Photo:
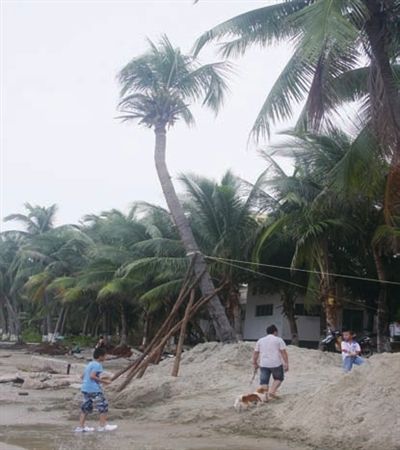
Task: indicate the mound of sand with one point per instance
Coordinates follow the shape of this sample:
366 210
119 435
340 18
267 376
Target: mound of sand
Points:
320 405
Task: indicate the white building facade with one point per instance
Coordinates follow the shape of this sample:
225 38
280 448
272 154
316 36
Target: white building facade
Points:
263 309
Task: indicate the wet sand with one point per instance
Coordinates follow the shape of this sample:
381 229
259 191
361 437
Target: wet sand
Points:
41 420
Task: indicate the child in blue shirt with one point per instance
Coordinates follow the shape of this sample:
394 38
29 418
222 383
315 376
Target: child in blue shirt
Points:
93 393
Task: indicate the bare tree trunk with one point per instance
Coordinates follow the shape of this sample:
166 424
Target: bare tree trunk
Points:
221 323
124 327
3 324
182 335
14 322
385 99
58 324
85 324
235 311
288 304
146 327
48 315
62 328
329 300
383 342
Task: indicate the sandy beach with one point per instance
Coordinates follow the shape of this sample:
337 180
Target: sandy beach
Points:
319 408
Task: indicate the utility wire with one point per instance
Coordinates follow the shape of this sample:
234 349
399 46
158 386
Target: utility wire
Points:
223 261
333 274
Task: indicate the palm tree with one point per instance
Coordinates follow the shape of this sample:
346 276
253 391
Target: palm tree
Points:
309 213
157 89
58 253
349 174
10 281
136 267
38 219
331 40
223 217
36 222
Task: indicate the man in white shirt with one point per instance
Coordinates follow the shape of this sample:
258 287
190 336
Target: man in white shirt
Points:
351 351
270 355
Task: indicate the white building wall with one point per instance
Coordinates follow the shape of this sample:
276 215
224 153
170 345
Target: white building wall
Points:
254 327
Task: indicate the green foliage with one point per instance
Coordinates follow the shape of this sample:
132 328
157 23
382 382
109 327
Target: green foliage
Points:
158 87
80 341
31 335
327 68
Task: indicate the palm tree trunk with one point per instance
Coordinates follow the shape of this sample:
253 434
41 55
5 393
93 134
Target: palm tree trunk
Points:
85 324
288 304
234 310
386 101
14 322
124 327
48 315
58 324
383 343
217 313
62 328
146 328
3 323
329 300
377 32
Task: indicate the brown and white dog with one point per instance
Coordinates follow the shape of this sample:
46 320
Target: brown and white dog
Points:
254 399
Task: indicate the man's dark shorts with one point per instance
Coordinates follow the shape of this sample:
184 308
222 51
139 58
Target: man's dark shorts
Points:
277 374
94 398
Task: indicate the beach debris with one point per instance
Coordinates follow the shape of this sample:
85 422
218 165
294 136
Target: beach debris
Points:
53 349
11 378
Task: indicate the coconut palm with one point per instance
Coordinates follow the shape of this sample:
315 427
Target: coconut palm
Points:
223 217
10 281
350 175
310 214
38 219
329 38
331 41
60 252
136 266
157 90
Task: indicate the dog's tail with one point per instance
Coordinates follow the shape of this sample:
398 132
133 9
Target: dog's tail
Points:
238 404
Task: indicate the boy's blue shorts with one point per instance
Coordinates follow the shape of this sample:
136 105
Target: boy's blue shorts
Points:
94 398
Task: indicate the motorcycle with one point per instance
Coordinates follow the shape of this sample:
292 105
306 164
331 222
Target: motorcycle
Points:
366 346
333 340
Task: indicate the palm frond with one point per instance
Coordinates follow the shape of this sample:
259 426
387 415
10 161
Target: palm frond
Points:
261 26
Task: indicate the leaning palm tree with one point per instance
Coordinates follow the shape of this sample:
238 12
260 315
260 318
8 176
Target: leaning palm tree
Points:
157 89
223 217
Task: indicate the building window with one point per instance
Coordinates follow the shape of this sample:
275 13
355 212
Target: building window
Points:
264 310
312 311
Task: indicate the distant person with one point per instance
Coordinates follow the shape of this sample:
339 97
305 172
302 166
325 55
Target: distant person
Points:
270 355
351 351
93 393
101 343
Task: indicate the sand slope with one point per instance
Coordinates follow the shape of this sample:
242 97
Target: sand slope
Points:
320 405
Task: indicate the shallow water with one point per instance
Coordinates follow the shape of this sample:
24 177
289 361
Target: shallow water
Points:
55 437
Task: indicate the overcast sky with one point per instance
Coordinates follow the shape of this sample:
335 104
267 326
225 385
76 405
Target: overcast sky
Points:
61 142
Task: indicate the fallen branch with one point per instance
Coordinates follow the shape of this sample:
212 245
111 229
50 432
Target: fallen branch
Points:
142 366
